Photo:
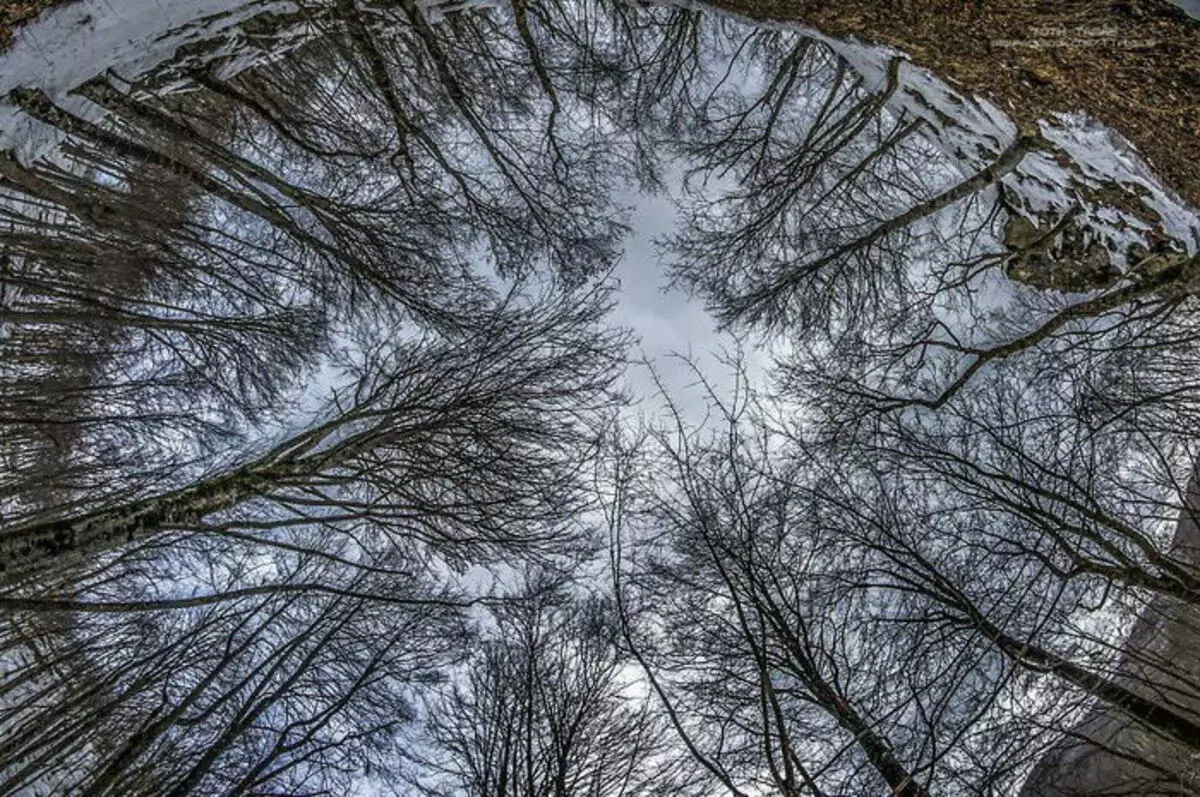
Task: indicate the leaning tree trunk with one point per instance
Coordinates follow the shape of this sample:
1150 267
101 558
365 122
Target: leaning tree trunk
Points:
1105 753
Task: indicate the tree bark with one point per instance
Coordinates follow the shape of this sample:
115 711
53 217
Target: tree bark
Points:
1105 754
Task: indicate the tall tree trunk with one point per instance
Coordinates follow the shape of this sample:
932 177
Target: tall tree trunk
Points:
1106 753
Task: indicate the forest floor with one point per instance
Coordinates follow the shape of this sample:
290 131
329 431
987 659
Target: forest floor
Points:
14 13
1132 64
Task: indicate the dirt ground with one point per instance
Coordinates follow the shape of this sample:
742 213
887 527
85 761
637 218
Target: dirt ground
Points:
1133 64
13 13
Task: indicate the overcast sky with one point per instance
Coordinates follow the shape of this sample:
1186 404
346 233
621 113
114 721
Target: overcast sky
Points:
669 322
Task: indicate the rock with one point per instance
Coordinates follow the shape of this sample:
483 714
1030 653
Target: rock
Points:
1020 232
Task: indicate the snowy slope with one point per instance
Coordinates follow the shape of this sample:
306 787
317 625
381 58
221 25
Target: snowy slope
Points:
1080 153
77 41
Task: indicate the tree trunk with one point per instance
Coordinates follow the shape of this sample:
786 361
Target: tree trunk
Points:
1105 753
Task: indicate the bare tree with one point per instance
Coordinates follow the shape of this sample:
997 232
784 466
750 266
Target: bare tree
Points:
191 253
549 705
278 692
992 410
953 547
777 675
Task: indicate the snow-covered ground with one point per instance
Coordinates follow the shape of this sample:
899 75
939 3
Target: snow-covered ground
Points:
128 38
76 41
973 131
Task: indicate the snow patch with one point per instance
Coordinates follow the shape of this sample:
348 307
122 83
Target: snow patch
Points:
973 132
73 43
